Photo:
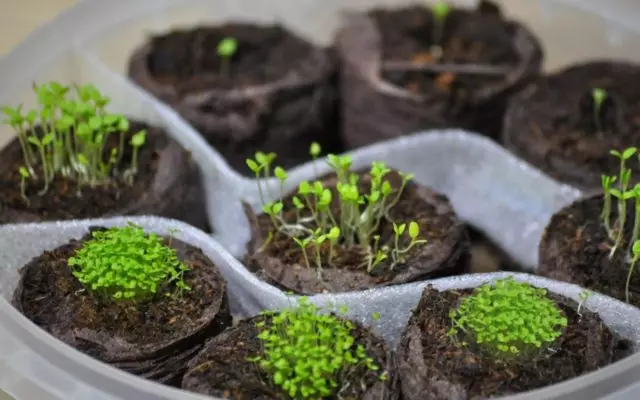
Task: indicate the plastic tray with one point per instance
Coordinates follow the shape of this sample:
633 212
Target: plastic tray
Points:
91 42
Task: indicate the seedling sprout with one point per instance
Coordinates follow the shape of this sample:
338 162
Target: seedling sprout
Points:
66 136
440 12
635 250
507 321
226 49
622 193
584 296
125 263
318 230
599 95
309 354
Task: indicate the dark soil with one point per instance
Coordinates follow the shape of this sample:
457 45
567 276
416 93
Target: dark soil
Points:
411 81
552 124
431 366
487 256
281 262
575 248
222 370
277 93
153 338
167 184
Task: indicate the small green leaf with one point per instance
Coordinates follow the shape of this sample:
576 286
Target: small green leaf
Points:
414 230
628 153
138 139
304 188
280 173
24 172
315 149
123 124
598 95
227 47
440 10
253 166
297 203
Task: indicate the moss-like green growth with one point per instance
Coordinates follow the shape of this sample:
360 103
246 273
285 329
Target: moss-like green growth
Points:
125 263
306 352
509 320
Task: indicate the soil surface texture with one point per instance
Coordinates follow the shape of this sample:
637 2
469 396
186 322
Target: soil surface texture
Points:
222 369
281 261
431 366
276 93
421 82
556 126
575 248
152 338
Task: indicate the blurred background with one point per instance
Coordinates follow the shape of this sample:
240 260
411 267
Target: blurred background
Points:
20 17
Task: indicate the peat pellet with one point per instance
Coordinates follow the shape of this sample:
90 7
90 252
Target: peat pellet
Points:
167 184
279 260
556 125
432 365
393 83
275 93
223 369
576 248
153 338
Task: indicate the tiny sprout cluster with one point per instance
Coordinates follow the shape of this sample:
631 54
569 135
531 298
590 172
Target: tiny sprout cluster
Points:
623 193
226 49
67 136
124 263
509 320
318 229
308 354
440 12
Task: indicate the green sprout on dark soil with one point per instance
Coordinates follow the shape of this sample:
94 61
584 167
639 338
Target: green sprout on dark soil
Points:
226 49
440 11
635 251
584 296
507 321
309 355
66 136
622 193
318 229
125 263
599 95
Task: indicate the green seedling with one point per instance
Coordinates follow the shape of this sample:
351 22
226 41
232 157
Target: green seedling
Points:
67 134
635 248
607 182
599 95
308 354
398 251
126 264
226 49
440 11
24 175
623 194
584 296
507 321
342 216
